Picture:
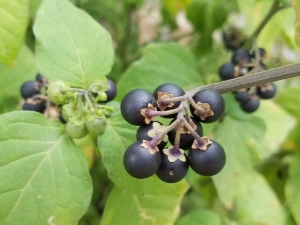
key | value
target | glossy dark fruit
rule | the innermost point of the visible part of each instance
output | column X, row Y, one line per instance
column 172, row 172
column 242, row 96
column 112, row 91
column 233, row 38
column 227, row 71
column 139, row 162
column 216, row 102
column 208, row 162
column 40, row 79
column 173, row 89
column 241, row 56
column 133, row 103
column 261, row 53
column 251, row 105
column 186, row 139
column 29, row 89
column 142, row 134
column 76, row 131
column 34, row 105
column 266, row 91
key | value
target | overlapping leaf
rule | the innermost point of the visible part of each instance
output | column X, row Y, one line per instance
column 71, row 46
column 296, row 6
column 44, row 178
column 13, row 24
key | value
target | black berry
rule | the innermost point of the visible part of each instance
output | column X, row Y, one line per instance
column 261, row 53
column 133, row 103
column 227, row 71
column 186, row 138
column 216, row 102
column 251, row 105
column 266, row 91
column 36, row 105
column 144, row 131
column 112, row 91
column 242, row 96
column 139, row 162
column 208, row 162
column 240, row 57
column 172, row 172
column 29, row 89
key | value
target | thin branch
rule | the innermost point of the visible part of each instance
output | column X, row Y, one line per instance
column 252, row 80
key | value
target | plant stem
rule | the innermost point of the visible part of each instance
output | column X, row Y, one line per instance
column 255, row 79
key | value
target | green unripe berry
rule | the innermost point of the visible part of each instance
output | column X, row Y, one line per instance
column 57, row 94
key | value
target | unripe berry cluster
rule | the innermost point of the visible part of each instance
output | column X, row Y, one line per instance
column 149, row 155
column 243, row 63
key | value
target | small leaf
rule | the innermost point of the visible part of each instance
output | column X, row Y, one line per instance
column 296, row 6
column 134, row 200
column 161, row 63
column 44, row 177
column 71, row 46
column 203, row 217
column 11, row 79
column 13, row 24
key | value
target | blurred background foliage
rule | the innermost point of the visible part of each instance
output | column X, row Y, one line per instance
column 180, row 41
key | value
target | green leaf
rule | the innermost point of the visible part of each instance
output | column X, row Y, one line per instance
column 13, row 24
column 11, row 79
column 44, row 178
column 161, row 63
column 202, row 216
column 71, row 46
column 289, row 100
column 132, row 199
column 292, row 187
column 296, row 6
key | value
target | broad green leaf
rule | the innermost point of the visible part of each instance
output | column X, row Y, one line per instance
column 11, row 79
column 161, row 63
column 296, row 6
column 13, row 24
column 289, row 100
column 134, row 200
column 71, row 46
column 292, row 186
column 173, row 7
column 44, row 177
column 34, row 6
column 202, row 216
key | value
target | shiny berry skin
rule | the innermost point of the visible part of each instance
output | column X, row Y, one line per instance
column 214, row 99
column 172, row 172
column 186, row 140
column 241, row 56
column 227, row 71
column 142, row 134
column 29, row 89
column 34, row 105
column 139, row 162
column 112, row 91
column 266, row 91
column 242, row 96
column 208, row 162
column 133, row 103
column 173, row 89
column 251, row 105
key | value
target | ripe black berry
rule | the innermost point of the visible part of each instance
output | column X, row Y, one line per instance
column 139, row 162
column 261, row 53
column 133, row 103
column 29, row 89
column 227, row 71
column 172, row 89
column 251, row 105
column 241, row 56
column 216, row 102
column 208, row 162
column 172, row 172
column 36, row 105
column 266, row 91
column 186, row 138
column 112, row 91
column 151, row 129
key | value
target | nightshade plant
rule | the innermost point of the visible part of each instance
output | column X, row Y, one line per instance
column 71, row 69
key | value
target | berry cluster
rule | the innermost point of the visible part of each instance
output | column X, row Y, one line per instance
column 243, row 63
column 31, row 92
column 149, row 155
column 82, row 110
